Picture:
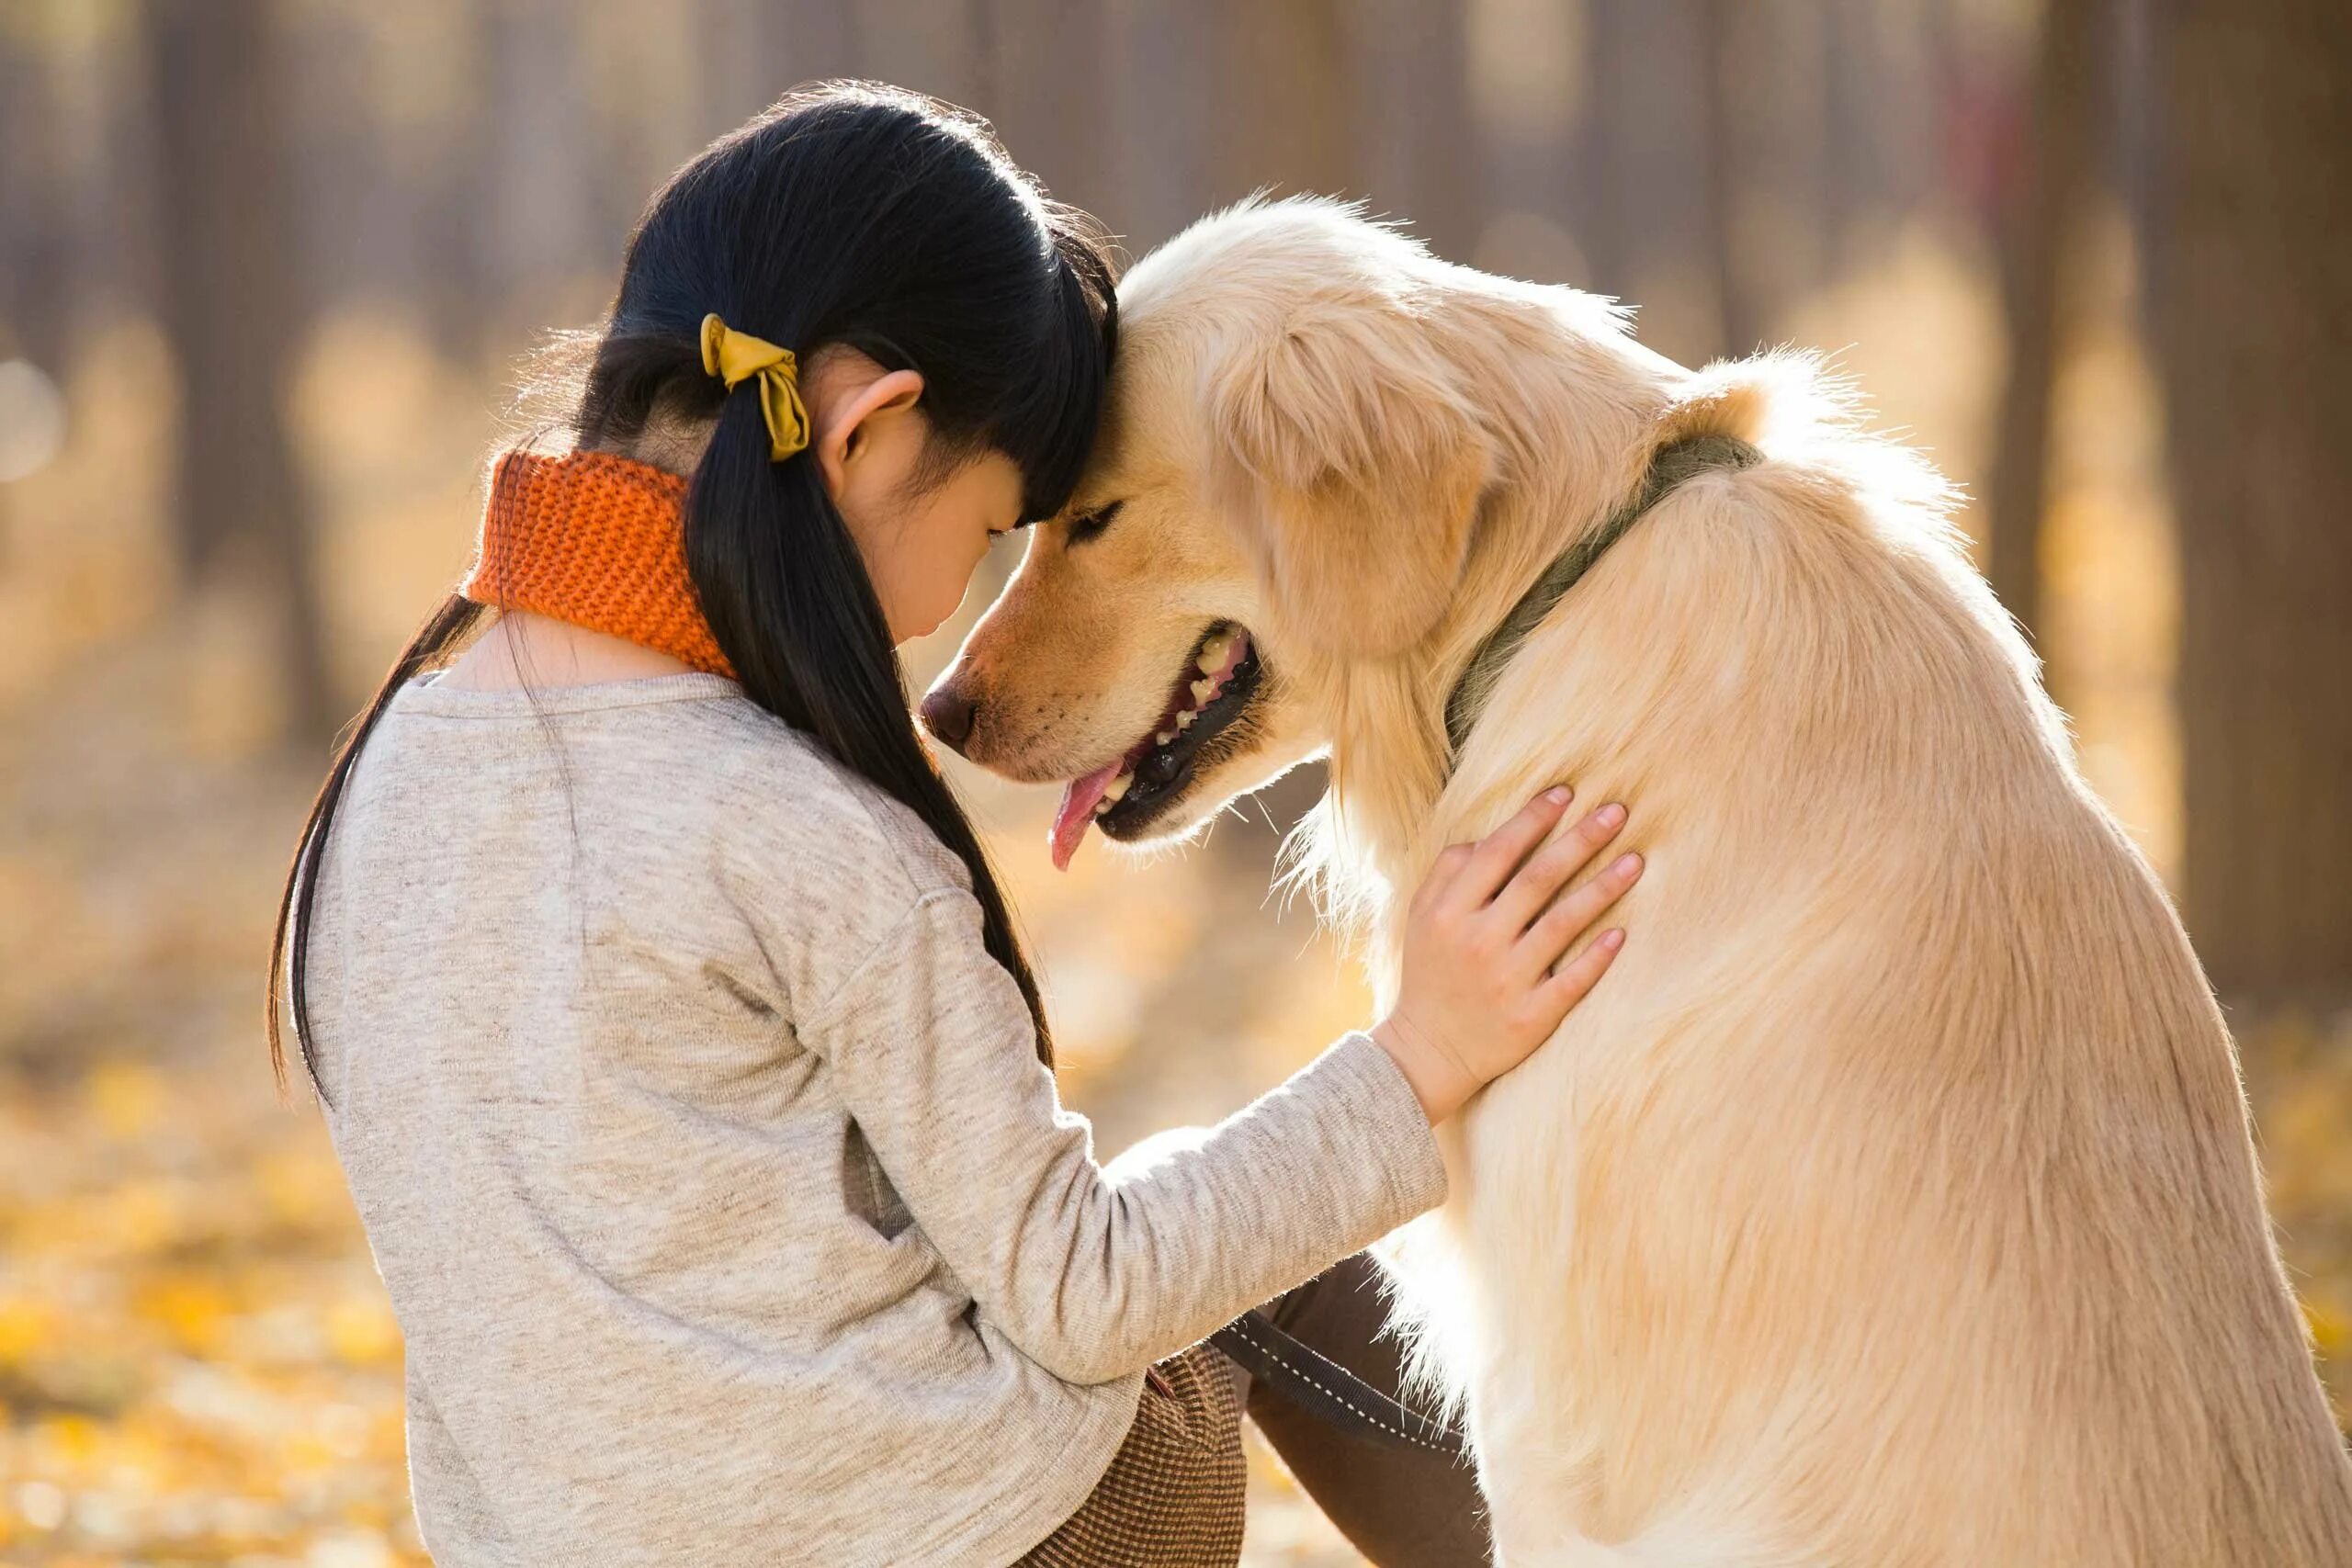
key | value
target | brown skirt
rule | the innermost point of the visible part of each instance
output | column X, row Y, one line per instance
column 1173, row 1495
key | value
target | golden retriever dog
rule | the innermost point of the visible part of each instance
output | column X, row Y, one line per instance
column 1892, row 1203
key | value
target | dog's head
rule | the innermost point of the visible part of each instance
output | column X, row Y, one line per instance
column 1285, row 487
column 1272, row 550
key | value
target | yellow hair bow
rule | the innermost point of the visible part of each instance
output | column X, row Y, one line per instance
column 735, row 357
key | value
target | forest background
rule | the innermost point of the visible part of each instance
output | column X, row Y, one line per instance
column 267, row 271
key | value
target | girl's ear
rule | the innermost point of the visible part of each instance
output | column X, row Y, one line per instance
column 1358, row 461
column 844, row 400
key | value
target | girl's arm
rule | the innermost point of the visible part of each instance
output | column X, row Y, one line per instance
column 1095, row 1277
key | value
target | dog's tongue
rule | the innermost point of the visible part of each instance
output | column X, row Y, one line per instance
column 1077, row 811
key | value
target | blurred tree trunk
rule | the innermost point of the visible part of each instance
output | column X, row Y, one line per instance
column 1422, row 154
column 36, row 274
column 1047, row 78
column 1846, row 132
column 1166, row 67
column 753, row 51
column 1726, row 67
column 938, row 47
column 819, row 38
column 551, row 215
column 1447, row 172
column 2042, row 194
column 1288, row 119
column 231, row 308
column 1603, row 209
column 2251, row 253
column 460, row 287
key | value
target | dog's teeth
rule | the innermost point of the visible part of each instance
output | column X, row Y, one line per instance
column 1102, row 806
column 1184, row 719
column 1212, row 653
column 1118, row 787
column 1203, row 690
column 1163, row 737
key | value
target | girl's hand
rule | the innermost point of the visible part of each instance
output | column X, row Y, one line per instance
column 1479, row 992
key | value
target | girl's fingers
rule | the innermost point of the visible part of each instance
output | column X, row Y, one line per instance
column 1552, row 866
column 1569, row 918
column 1489, row 865
column 1564, row 990
column 1443, row 872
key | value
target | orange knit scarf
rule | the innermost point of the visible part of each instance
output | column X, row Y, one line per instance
column 598, row 541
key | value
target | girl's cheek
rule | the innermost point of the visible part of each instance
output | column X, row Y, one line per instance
column 968, row 567
column 944, row 594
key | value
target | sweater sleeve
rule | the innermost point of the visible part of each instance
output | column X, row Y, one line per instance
column 1094, row 1276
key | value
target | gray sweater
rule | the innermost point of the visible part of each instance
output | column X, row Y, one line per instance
column 727, row 1213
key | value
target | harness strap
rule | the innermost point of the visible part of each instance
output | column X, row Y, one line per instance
column 1672, row 464
column 1327, row 1390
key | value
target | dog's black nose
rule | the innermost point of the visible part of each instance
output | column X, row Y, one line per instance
column 947, row 712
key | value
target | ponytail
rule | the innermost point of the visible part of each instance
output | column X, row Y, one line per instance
column 790, row 605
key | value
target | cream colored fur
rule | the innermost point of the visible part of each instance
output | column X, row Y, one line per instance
column 1892, row 1203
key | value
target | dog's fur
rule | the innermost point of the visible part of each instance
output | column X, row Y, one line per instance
column 1893, row 1202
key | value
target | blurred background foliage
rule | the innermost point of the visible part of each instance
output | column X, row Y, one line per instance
column 266, row 270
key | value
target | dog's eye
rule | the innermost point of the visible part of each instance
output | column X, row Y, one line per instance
column 1089, row 525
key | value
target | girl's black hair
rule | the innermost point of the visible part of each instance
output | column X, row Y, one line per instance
column 849, row 214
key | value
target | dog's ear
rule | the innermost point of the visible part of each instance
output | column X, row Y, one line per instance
column 1355, row 463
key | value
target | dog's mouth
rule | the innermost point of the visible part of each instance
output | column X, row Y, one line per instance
column 1126, row 797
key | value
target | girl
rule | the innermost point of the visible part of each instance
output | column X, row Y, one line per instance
column 672, row 1030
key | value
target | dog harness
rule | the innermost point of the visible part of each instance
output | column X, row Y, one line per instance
column 1669, row 466
column 1327, row 1390
column 1307, row 1379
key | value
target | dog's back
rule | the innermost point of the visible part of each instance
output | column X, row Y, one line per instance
column 1894, row 1202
